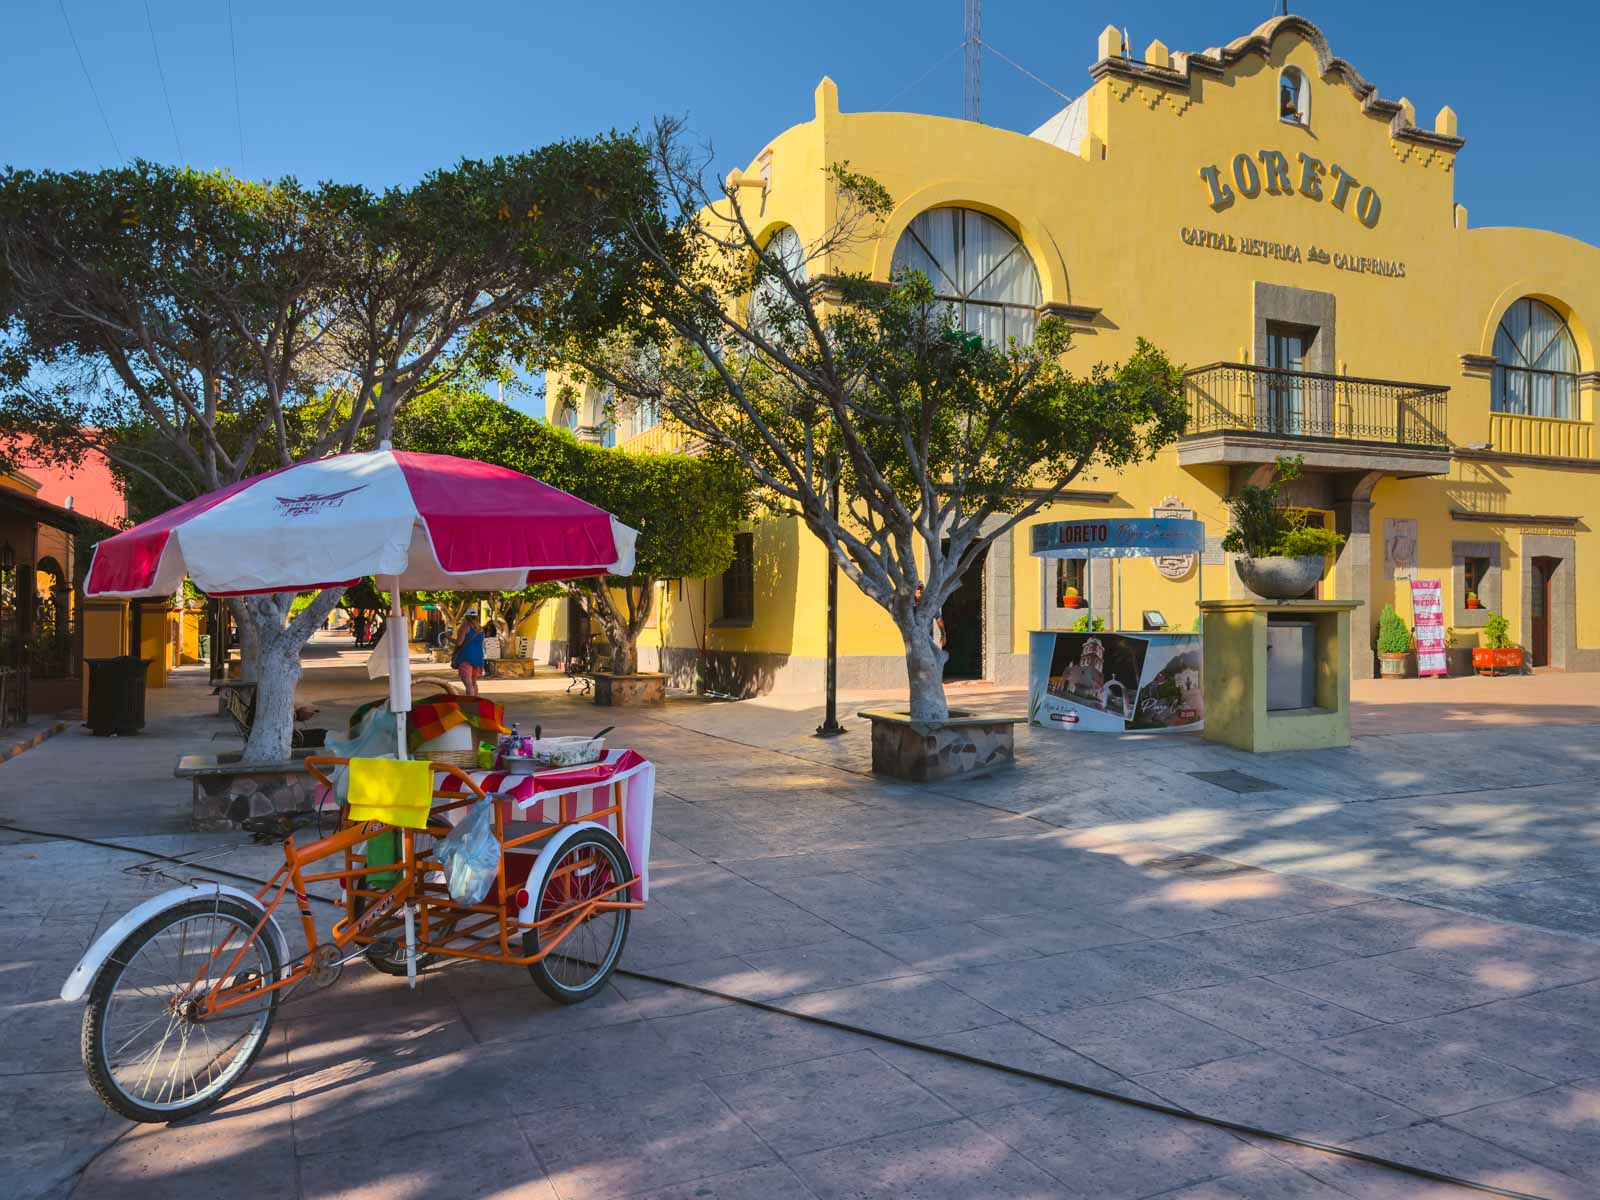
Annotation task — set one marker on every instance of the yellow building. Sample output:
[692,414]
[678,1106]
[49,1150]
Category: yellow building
[1264,215]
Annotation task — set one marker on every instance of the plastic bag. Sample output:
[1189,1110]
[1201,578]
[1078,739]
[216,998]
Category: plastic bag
[374,737]
[471,855]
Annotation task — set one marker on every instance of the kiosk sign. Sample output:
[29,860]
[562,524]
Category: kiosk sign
[1427,608]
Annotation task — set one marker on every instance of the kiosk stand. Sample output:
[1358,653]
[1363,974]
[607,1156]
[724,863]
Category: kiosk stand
[1277,673]
[1116,680]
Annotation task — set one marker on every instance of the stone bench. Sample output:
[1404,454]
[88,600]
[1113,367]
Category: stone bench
[225,792]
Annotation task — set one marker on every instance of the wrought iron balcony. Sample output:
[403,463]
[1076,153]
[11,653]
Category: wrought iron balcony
[1228,398]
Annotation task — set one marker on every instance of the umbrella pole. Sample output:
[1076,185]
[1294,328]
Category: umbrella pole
[399,665]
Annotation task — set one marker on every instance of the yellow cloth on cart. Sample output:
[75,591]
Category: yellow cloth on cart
[395,791]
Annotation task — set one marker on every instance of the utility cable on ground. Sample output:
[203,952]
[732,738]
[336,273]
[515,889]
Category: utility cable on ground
[1170,1110]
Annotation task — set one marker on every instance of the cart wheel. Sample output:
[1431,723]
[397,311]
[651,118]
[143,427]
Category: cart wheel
[591,863]
[146,1053]
[389,955]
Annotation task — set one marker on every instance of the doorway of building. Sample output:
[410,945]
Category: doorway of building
[1544,570]
[963,624]
[1287,348]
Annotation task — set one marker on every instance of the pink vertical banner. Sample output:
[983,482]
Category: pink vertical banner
[1427,609]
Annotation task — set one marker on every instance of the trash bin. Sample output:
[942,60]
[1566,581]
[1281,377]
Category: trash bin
[116,695]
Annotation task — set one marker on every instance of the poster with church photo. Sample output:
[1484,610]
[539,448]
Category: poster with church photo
[1098,675]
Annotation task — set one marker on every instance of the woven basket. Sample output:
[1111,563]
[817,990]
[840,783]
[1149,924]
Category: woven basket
[467,760]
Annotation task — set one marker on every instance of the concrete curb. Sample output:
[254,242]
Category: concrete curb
[7,753]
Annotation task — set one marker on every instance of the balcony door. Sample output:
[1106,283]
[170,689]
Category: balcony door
[1287,349]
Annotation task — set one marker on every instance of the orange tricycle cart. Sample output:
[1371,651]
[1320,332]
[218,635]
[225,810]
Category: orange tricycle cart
[182,990]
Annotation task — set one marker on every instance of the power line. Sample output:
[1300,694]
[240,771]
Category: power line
[238,114]
[89,79]
[954,50]
[162,75]
[1013,63]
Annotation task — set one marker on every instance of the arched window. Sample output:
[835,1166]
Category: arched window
[769,292]
[1536,362]
[1294,97]
[978,265]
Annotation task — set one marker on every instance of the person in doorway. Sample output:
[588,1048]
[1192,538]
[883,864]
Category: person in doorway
[468,656]
[939,637]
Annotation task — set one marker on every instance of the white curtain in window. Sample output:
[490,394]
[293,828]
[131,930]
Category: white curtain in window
[1537,371]
[979,265]
[786,247]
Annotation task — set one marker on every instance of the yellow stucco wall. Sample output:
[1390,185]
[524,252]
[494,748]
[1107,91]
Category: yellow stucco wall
[1106,229]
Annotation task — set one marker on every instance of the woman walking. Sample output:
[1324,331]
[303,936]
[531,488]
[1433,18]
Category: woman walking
[469,653]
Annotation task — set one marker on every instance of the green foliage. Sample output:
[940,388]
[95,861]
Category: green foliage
[1261,525]
[1472,595]
[1497,632]
[198,328]
[1308,541]
[1085,624]
[1393,636]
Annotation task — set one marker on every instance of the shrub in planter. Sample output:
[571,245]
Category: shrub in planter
[1394,644]
[1085,625]
[1071,599]
[1472,600]
[1498,652]
[1278,556]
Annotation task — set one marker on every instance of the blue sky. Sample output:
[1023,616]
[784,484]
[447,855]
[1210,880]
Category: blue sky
[379,92]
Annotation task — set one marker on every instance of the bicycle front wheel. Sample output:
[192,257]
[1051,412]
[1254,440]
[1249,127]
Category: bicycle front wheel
[147,1050]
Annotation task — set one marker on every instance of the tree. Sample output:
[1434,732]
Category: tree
[814,378]
[686,508]
[208,314]
[510,610]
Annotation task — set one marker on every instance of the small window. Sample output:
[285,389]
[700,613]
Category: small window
[1294,97]
[1071,589]
[1475,570]
[739,582]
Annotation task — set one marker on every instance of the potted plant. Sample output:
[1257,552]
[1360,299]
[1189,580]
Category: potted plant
[1394,644]
[1498,653]
[1071,599]
[1276,554]
[1472,600]
[1084,625]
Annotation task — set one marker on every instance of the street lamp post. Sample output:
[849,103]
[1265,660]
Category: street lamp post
[830,726]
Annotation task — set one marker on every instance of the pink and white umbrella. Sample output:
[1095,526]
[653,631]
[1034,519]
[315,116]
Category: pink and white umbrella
[424,520]
[415,521]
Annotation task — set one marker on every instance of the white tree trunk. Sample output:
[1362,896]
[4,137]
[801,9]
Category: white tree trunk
[249,646]
[278,646]
[924,673]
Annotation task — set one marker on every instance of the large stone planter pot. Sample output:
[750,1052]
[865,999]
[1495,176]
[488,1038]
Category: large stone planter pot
[1458,660]
[643,688]
[925,751]
[511,668]
[1392,666]
[1278,578]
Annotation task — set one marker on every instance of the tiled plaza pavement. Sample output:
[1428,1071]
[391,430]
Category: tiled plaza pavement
[1080,935]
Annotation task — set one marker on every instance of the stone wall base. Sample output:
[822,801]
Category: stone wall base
[511,668]
[927,751]
[629,690]
[223,801]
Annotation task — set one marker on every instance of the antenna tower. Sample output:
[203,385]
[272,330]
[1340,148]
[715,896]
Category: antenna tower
[972,43]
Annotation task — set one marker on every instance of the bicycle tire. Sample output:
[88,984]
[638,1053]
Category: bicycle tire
[93,1042]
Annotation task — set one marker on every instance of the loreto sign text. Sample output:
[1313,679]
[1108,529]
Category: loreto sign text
[1271,172]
